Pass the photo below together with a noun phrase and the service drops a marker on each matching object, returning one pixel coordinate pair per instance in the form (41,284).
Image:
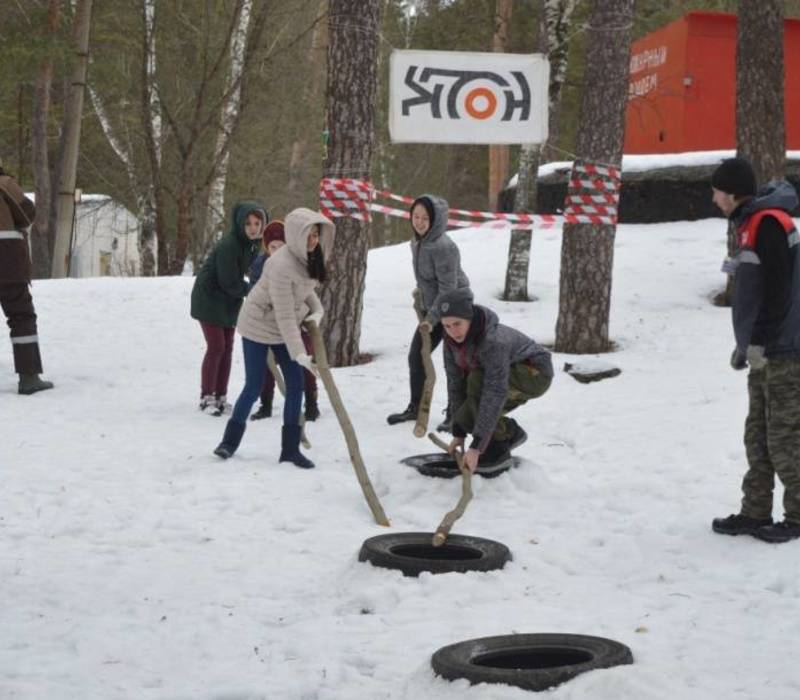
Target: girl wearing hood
(282,299)
(437,269)
(217,297)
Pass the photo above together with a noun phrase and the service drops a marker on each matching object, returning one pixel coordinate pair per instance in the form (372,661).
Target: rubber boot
(31,383)
(290,447)
(265,409)
(230,440)
(312,408)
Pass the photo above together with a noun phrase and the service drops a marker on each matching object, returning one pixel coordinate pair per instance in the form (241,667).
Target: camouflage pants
(772,439)
(525,382)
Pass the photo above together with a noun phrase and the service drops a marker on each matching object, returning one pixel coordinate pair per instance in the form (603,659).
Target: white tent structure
(105,239)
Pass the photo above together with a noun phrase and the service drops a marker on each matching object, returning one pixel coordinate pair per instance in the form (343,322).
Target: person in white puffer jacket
(270,319)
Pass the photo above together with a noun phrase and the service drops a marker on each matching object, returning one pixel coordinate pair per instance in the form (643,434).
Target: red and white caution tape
(357,199)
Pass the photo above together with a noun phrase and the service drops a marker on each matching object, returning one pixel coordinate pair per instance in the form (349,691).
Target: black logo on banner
(480,102)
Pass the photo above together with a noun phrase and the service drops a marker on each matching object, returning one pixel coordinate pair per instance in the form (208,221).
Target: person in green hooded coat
(217,295)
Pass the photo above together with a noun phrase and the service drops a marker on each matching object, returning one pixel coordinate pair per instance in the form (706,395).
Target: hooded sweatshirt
(284,294)
(492,347)
(436,260)
(220,285)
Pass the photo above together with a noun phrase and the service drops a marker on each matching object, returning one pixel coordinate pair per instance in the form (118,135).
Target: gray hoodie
(493,348)
(437,262)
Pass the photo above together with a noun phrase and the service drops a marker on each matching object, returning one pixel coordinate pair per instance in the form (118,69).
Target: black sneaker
(779,532)
(518,437)
(497,451)
(263,411)
(446,426)
(738,524)
(409,414)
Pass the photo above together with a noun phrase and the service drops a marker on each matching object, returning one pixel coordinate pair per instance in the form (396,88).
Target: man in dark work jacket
(16,214)
(766,325)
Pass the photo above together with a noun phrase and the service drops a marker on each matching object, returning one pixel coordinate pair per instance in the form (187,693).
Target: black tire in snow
(528,661)
(412,553)
(443,466)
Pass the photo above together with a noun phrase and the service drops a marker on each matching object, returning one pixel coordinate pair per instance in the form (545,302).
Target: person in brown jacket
(16,214)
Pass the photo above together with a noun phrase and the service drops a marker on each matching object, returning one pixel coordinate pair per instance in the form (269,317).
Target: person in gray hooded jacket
(491,370)
(766,326)
(437,269)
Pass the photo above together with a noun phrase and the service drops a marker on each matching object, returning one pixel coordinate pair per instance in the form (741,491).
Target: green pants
(772,439)
(525,382)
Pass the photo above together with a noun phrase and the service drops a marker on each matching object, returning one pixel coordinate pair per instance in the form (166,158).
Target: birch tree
(72,133)
(587,250)
(231,106)
(555,21)
(351,96)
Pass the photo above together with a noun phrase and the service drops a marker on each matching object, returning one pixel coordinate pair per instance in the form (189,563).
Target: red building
(682,93)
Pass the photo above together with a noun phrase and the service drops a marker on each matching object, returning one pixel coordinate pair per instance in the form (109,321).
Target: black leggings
(416,370)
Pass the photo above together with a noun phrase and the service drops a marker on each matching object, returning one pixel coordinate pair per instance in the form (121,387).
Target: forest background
(278,137)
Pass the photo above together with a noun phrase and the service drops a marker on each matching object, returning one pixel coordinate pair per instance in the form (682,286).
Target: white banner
(461,97)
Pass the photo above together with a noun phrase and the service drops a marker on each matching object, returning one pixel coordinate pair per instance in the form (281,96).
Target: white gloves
(305,361)
(316,317)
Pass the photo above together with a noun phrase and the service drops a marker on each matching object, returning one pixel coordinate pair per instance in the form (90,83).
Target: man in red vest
(766,325)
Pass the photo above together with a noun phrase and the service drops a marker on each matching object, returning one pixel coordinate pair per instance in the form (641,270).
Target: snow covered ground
(135,564)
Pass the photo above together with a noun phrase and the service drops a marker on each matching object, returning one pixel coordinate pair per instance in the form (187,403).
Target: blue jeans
(255,369)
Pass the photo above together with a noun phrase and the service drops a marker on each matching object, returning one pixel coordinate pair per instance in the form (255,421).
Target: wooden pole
(446,525)
(424,409)
(273,367)
(321,357)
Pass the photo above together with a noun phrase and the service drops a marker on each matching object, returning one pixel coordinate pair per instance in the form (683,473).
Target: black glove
(738,359)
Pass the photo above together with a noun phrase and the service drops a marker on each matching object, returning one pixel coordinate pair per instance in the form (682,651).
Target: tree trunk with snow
(587,250)
(42,231)
(72,131)
(215,206)
(352,90)
(554,20)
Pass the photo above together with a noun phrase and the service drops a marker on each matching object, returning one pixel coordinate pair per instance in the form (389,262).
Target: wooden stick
(325,374)
(424,409)
(273,367)
(466,494)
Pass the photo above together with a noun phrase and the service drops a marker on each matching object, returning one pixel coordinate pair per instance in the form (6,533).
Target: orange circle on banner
(476,94)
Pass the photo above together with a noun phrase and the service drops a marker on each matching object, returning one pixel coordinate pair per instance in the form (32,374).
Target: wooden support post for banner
(321,359)
(424,409)
(449,520)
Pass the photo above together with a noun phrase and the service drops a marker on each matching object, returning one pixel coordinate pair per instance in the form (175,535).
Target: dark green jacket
(220,287)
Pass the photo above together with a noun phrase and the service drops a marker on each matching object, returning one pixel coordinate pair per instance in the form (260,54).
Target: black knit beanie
(425,202)
(456,302)
(735,176)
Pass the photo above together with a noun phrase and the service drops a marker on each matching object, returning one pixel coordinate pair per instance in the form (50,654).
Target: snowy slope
(135,564)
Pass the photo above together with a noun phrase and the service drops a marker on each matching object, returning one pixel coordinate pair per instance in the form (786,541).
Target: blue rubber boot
(290,447)
(230,440)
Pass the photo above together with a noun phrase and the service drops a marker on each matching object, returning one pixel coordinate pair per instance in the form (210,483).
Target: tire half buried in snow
(528,661)
(443,466)
(412,553)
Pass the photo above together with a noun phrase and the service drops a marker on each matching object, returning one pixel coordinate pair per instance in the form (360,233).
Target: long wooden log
(321,358)
(424,409)
(448,521)
(273,367)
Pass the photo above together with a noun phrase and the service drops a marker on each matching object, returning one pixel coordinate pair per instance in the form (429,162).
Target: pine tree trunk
(301,148)
(587,251)
(42,233)
(352,89)
(760,116)
(72,131)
